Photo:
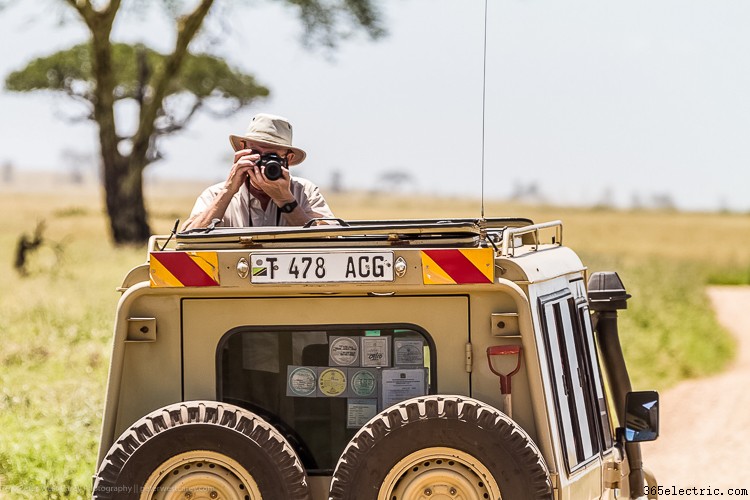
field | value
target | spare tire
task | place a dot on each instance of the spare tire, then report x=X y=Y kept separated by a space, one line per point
x=441 y=447
x=201 y=449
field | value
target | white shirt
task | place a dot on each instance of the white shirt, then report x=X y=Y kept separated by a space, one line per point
x=244 y=203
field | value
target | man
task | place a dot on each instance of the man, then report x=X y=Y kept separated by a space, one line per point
x=248 y=197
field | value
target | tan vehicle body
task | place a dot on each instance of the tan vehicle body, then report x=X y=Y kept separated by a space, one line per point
x=170 y=341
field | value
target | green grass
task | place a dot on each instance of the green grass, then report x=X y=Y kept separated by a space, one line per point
x=53 y=364
x=57 y=326
x=730 y=275
x=57 y=322
x=668 y=332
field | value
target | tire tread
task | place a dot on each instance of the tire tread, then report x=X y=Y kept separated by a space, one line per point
x=525 y=453
x=200 y=412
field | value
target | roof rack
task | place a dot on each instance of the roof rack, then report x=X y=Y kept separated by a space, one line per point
x=420 y=233
x=532 y=233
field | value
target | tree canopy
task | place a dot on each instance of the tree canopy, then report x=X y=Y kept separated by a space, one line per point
x=204 y=80
x=167 y=88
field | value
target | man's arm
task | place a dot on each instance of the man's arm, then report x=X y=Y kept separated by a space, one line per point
x=280 y=192
x=215 y=210
x=244 y=162
x=300 y=216
x=311 y=200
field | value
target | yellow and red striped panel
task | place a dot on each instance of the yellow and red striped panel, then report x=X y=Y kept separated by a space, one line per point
x=175 y=269
x=458 y=266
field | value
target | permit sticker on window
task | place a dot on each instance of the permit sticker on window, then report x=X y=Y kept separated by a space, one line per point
x=302 y=381
x=343 y=351
x=363 y=382
x=399 y=384
x=375 y=351
x=408 y=352
x=359 y=412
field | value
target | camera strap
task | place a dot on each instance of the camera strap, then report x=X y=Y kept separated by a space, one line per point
x=250 y=211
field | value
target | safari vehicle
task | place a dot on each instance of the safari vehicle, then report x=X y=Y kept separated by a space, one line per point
x=371 y=361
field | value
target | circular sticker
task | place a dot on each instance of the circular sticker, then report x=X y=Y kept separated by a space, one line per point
x=332 y=382
x=363 y=383
x=344 y=351
x=302 y=381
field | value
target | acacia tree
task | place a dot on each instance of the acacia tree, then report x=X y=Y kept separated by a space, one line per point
x=168 y=88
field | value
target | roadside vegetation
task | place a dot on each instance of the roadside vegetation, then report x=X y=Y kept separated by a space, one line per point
x=57 y=320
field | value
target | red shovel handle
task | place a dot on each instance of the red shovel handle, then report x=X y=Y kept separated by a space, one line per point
x=501 y=350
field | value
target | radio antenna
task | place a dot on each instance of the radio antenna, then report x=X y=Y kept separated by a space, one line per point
x=484 y=98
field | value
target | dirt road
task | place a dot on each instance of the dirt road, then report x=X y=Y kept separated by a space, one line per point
x=705 y=423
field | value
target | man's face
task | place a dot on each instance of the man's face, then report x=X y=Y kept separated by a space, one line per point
x=261 y=150
x=257 y=179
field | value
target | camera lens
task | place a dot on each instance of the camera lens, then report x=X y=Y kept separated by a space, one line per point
x=272 y=164
x=272 y=170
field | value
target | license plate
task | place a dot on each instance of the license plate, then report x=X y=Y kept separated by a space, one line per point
x=330 y=267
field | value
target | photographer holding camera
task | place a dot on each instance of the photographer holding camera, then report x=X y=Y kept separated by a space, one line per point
x=259 y=190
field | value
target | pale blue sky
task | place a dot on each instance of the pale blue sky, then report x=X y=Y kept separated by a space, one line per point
x=588 y=98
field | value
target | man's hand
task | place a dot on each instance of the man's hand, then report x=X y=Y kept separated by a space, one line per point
x=279 y=190
x=244 y=162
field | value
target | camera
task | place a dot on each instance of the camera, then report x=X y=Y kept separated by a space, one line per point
x=273 y=164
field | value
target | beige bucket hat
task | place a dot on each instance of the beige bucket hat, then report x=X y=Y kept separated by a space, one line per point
x=269 y=131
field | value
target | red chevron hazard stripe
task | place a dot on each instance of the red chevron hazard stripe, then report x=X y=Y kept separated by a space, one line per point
x=184 y=269
x=458 y=266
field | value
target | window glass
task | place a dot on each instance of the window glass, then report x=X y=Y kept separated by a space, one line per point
x=319 y=386
x=578 y=381
x=601 y=402
x=570 y=368
x=561 y=384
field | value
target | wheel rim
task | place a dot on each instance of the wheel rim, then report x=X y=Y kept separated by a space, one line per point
x=200 y=475
x=439 y=474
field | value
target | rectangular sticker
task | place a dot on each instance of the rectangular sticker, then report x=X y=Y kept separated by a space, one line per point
x=359 y=412
x=401 y=384
x=375 y=352
x=408 y=352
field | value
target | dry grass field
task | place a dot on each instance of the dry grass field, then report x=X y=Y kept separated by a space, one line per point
x=57 y=320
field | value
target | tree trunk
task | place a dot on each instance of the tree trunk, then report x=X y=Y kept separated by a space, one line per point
x=123 y=184
x=123 y=175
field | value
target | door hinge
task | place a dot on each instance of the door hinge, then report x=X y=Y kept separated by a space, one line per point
x=469 y=357
x=611 y=476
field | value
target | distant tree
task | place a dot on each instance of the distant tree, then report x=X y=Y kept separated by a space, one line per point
x=635 y=202
x=8 y=172
x=78 y=163
x=607 y=200
x=101 y=73
x=337 y=181
x=527 y=193
x=395 y=180
x=723 y=206
x=663 y=201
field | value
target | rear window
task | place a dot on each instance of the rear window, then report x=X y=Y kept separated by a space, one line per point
x=319 y=386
